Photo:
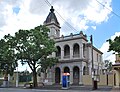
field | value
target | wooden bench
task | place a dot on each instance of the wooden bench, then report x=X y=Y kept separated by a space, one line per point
x=28 y=85
x=41 y=84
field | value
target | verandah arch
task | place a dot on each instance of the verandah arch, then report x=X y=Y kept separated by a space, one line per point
x=66 y=70
x=57 y=75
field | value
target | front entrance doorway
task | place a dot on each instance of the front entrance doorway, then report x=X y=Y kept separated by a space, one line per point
x=75 y=75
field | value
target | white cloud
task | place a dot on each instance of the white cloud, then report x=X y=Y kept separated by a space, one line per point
x=94 y=27
x=96 y=12
x=33 y=13
x=104 y=48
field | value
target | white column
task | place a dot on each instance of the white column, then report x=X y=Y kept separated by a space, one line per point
x=53 y=74
x=81 y=73
x=62 y=53
x=71 y=52
x=53 y=54
x=61 y=75
x=71 y=76
x=81 y=51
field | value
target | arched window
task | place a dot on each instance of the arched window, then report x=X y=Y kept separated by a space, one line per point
x=76 y=50
x=66 y=51
x=58 y=52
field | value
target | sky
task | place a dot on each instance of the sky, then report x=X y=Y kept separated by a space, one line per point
x=100 y=18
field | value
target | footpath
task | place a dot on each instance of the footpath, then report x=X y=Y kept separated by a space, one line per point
x=72 y=88
x=77 y=88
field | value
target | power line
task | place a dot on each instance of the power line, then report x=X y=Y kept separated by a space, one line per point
x=109 y=9
x=68 y=24
x=48 y=3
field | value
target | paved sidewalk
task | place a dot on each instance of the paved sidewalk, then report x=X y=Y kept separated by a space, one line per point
x=115 y=90
x=74 y=88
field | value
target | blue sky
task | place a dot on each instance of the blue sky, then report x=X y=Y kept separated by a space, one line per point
x=86 y=15
x=106 y=29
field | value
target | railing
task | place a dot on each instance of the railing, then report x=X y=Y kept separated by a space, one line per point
x=76 y=55
x=67 y=56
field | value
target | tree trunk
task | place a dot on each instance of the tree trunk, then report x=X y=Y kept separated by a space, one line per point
x=34 y=78
x=6 y=76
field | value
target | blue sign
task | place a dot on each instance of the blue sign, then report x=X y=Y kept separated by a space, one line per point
x=64 y=81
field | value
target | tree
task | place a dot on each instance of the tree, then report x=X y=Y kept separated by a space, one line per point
x=114 y=45
x=8 y=59
x=32 y=46
x=108 y=65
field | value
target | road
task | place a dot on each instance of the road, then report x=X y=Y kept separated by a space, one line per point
x=46 y=90
x=25 y=90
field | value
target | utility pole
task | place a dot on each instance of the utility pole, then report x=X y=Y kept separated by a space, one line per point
x=94 y=85
x=17 y=78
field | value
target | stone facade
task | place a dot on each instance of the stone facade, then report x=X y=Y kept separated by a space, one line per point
x=116 y=72
x=74 y=53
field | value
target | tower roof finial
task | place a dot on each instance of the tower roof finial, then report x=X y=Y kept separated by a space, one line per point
x=52 y=10
x=51 y=17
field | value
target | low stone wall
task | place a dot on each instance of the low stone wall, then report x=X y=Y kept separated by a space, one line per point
x=87 y=79
x=110 y=80
x=105 y=80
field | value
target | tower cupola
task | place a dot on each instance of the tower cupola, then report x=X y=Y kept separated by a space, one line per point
x=52 y=23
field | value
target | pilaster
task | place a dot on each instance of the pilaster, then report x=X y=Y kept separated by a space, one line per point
x=81 y=73
x=81 y=51
x=62 y=53
x=71 y=52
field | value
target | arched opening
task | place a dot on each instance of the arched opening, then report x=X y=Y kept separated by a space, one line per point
x=57 y=75
x=66 y=70
x=76 y=50
x=66 y=51
x=84 y=70
x=76 y=75
x=58 y=52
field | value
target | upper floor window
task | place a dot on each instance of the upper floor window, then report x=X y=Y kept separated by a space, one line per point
x=76 y=50
x=66 y=51
x=58 y=52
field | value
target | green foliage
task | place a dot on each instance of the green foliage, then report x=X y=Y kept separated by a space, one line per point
x=114 y=45
x=108 y=65
x=29 y=46
x=8 y=61
x=34 y=45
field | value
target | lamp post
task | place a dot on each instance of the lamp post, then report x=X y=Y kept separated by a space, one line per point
x=94 y=83
x=17 y=78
